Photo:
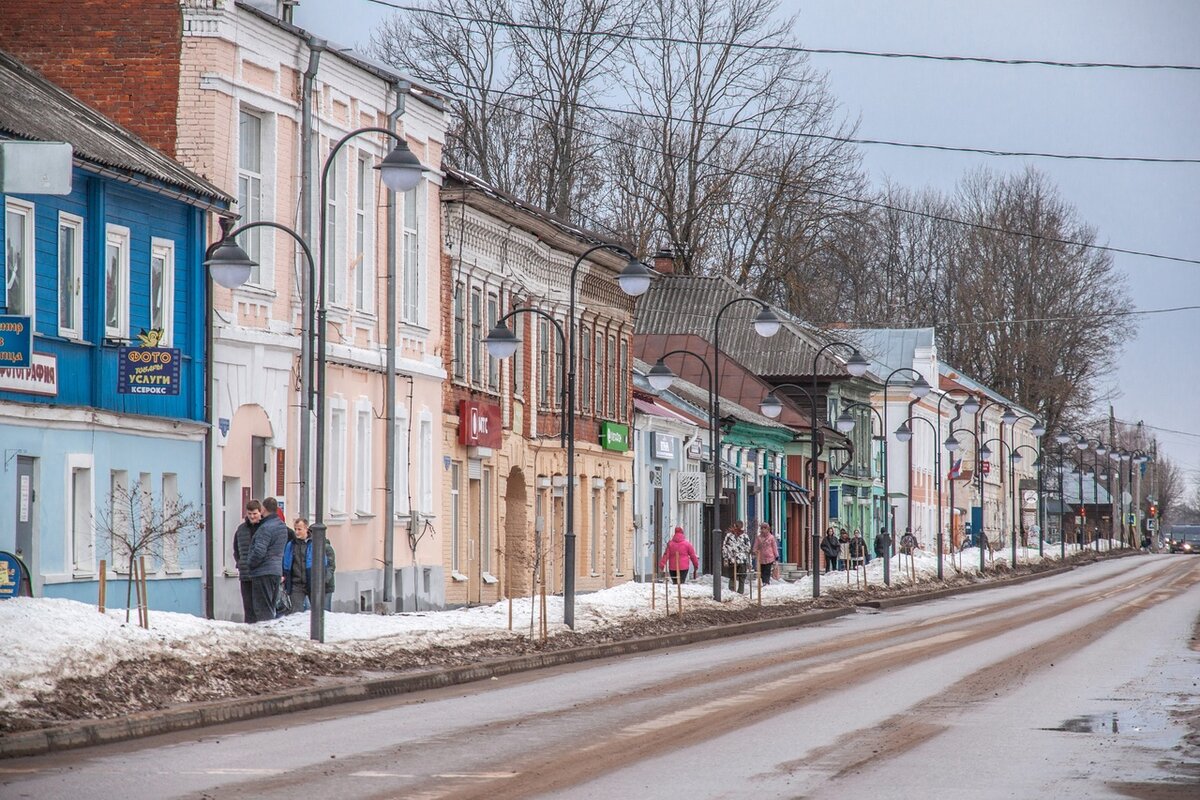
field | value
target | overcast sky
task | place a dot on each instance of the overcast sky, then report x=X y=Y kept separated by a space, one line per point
x=1148 y=207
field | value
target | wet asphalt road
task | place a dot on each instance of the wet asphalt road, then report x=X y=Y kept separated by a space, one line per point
x=1070 y=686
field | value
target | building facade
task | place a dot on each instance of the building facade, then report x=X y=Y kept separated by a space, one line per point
x=504 y=465
x=114 y=442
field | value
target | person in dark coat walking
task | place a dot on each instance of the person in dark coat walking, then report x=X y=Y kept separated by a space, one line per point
x=265 y=561
x=242 y=538
x=858 y=550
x=829 y=547
x=881 y=543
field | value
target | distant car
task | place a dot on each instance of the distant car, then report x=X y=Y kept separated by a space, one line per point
x=1185 y=539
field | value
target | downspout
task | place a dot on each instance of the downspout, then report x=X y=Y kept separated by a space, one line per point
x=908 y=519
x=307 y=287
x=389 y=382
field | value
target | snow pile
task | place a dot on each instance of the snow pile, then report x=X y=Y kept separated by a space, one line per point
x=49 y=640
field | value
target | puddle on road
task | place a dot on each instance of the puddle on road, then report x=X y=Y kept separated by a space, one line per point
x=1112 y=722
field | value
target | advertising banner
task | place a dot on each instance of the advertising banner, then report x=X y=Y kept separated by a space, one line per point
x=148 y=370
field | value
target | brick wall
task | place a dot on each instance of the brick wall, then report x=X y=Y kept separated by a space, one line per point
x=119 y=56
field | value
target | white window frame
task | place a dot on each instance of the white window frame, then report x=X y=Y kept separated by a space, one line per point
x=169 y=500
x=80 y=531
x=458 y=342
x=250 y=205
x=364 y=219
x=364 y=416
x=118 y=481
x=492 y=313
x=410 y=253
x=596 y=530
x=475 y=346
x=400 y=492
x=117 y=236
x=28 y=267
x=426 y=475
x=164 y=249
x=485 y=520
x=72 y=226
x=456 y=473
x=335 y=458
x=335 y=233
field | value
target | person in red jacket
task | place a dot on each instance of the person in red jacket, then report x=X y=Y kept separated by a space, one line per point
x=676 y=557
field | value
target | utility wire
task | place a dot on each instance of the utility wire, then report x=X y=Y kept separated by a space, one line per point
x=1066 y=318
x=1156 y=428
x=864 y=201
x=853 y=140
x=613 y=34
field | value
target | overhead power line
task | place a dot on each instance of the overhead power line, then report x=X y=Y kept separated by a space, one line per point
x=1064 y=318
x=611 y=34
x=854 y=140
x=873 y=203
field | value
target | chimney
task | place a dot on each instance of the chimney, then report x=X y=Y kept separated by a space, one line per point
x=664 y=262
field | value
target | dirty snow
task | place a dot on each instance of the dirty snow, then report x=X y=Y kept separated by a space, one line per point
x=60 y=639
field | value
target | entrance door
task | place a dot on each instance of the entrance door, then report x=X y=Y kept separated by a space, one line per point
x=659 y=534
x=26 y=509
x=258 y=467
x=475 y=515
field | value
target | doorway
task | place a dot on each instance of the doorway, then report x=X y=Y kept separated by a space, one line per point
x=26 y=510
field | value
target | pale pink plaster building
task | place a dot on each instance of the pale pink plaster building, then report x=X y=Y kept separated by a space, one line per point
x=239 y=120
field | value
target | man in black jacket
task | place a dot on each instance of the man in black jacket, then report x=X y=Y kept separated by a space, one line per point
x=242 y=539
x=265 y=561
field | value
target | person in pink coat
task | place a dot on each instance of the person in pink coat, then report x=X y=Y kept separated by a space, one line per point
x=766 y=551
x=677 y=556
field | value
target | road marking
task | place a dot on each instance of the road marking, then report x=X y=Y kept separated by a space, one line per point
x=17 y=770
x=233 y=771
x=480 y=775
x=369 y=774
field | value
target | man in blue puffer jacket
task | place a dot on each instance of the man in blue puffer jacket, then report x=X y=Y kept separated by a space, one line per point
x=266 y=561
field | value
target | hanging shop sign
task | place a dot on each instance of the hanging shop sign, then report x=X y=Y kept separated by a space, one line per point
x=614 y=436
x=148 y=370
x=664 y=446
x=41 y=377
x=14 y=577
x=16 y=341
x=478 y=424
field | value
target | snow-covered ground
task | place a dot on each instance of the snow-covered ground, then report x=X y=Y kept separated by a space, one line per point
x=48 y=640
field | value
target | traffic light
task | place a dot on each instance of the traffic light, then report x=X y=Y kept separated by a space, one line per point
x=1153 y=510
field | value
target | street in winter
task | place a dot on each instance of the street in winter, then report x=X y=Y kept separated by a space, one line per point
x=590 y=398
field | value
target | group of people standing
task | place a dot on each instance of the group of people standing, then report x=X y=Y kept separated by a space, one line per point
x=274 y=563
x=845 y=551
x=736 y=552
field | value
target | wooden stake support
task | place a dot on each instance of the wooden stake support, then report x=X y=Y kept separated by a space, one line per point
x=679 y=591
x=103 y=583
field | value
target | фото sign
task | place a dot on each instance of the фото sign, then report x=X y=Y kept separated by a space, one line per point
x=148 y=370
x=478 y=424
x=614 y=436
x=16 y=341
x=40 y=378
x=664 y=446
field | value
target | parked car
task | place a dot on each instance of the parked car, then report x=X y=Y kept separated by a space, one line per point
x=1185 y=539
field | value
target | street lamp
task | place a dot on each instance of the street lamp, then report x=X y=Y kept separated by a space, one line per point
x=1013 y=459
x=918 y=389
x=766 y=324
x=952 y=445
x=772 y=407
x=634 y=280
x=904 y=433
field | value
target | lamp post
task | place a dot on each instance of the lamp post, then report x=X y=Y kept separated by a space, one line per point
x=969 y=405
x=1098 y=450
x=920 y=388
x=1006 y=446
x=883 y=440
x=1017 y=458
x=771 y=406
x=952 y=444
x=1038 y=429
x=766 y=325
x=230 y=267
x=904 y=433
x=1061 y=438
x=1081 y=444
x=634 y=280
x=661 y=377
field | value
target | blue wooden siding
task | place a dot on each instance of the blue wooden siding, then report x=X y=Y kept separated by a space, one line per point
x=87 y=369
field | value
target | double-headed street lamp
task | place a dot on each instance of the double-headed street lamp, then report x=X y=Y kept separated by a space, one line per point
x=501 y=342
x=1061 y=438
x=1038 y=429
x=982 y=453
x=230 y=266
x=1011 y=497
x=904 y=433
x=771 y=406
x=919 y=389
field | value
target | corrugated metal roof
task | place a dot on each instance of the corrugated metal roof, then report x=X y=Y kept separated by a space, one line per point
x=687 y=304
x=1071 y=490
x=969 y=383
x=32 y=107
x=891 y=348
x=697 y=397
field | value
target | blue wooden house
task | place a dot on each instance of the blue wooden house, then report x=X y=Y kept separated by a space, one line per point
x=91 y=459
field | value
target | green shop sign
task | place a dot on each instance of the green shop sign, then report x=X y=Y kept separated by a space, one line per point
x=614 y=436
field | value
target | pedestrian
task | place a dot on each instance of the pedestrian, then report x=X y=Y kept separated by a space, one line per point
x=297 y=567
x=858 y=550
x=678 y=556
x=735 y=551
x=242 y=538
x=829 y=548
x=265 y=561
x=766 y=550
x=843 y=562
x=908 y=542
x=882 y=543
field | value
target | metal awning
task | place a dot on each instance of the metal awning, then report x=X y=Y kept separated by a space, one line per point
x=795 y=492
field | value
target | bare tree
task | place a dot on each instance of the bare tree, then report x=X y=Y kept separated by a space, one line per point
x=136 y=526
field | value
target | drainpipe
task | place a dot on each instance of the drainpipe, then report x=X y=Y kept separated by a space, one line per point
x=307 y=287
x=389 y=383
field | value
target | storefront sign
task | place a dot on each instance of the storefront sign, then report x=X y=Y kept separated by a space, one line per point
x=614 y=436
x=696 y=449
x=148 y=370
x=13 y=579
x=986 y=467
x=16 y=341
x=478 y=424
x=664 y=446
x=40 y=378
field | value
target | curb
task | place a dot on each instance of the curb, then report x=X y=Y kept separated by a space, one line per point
x=90 y=733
